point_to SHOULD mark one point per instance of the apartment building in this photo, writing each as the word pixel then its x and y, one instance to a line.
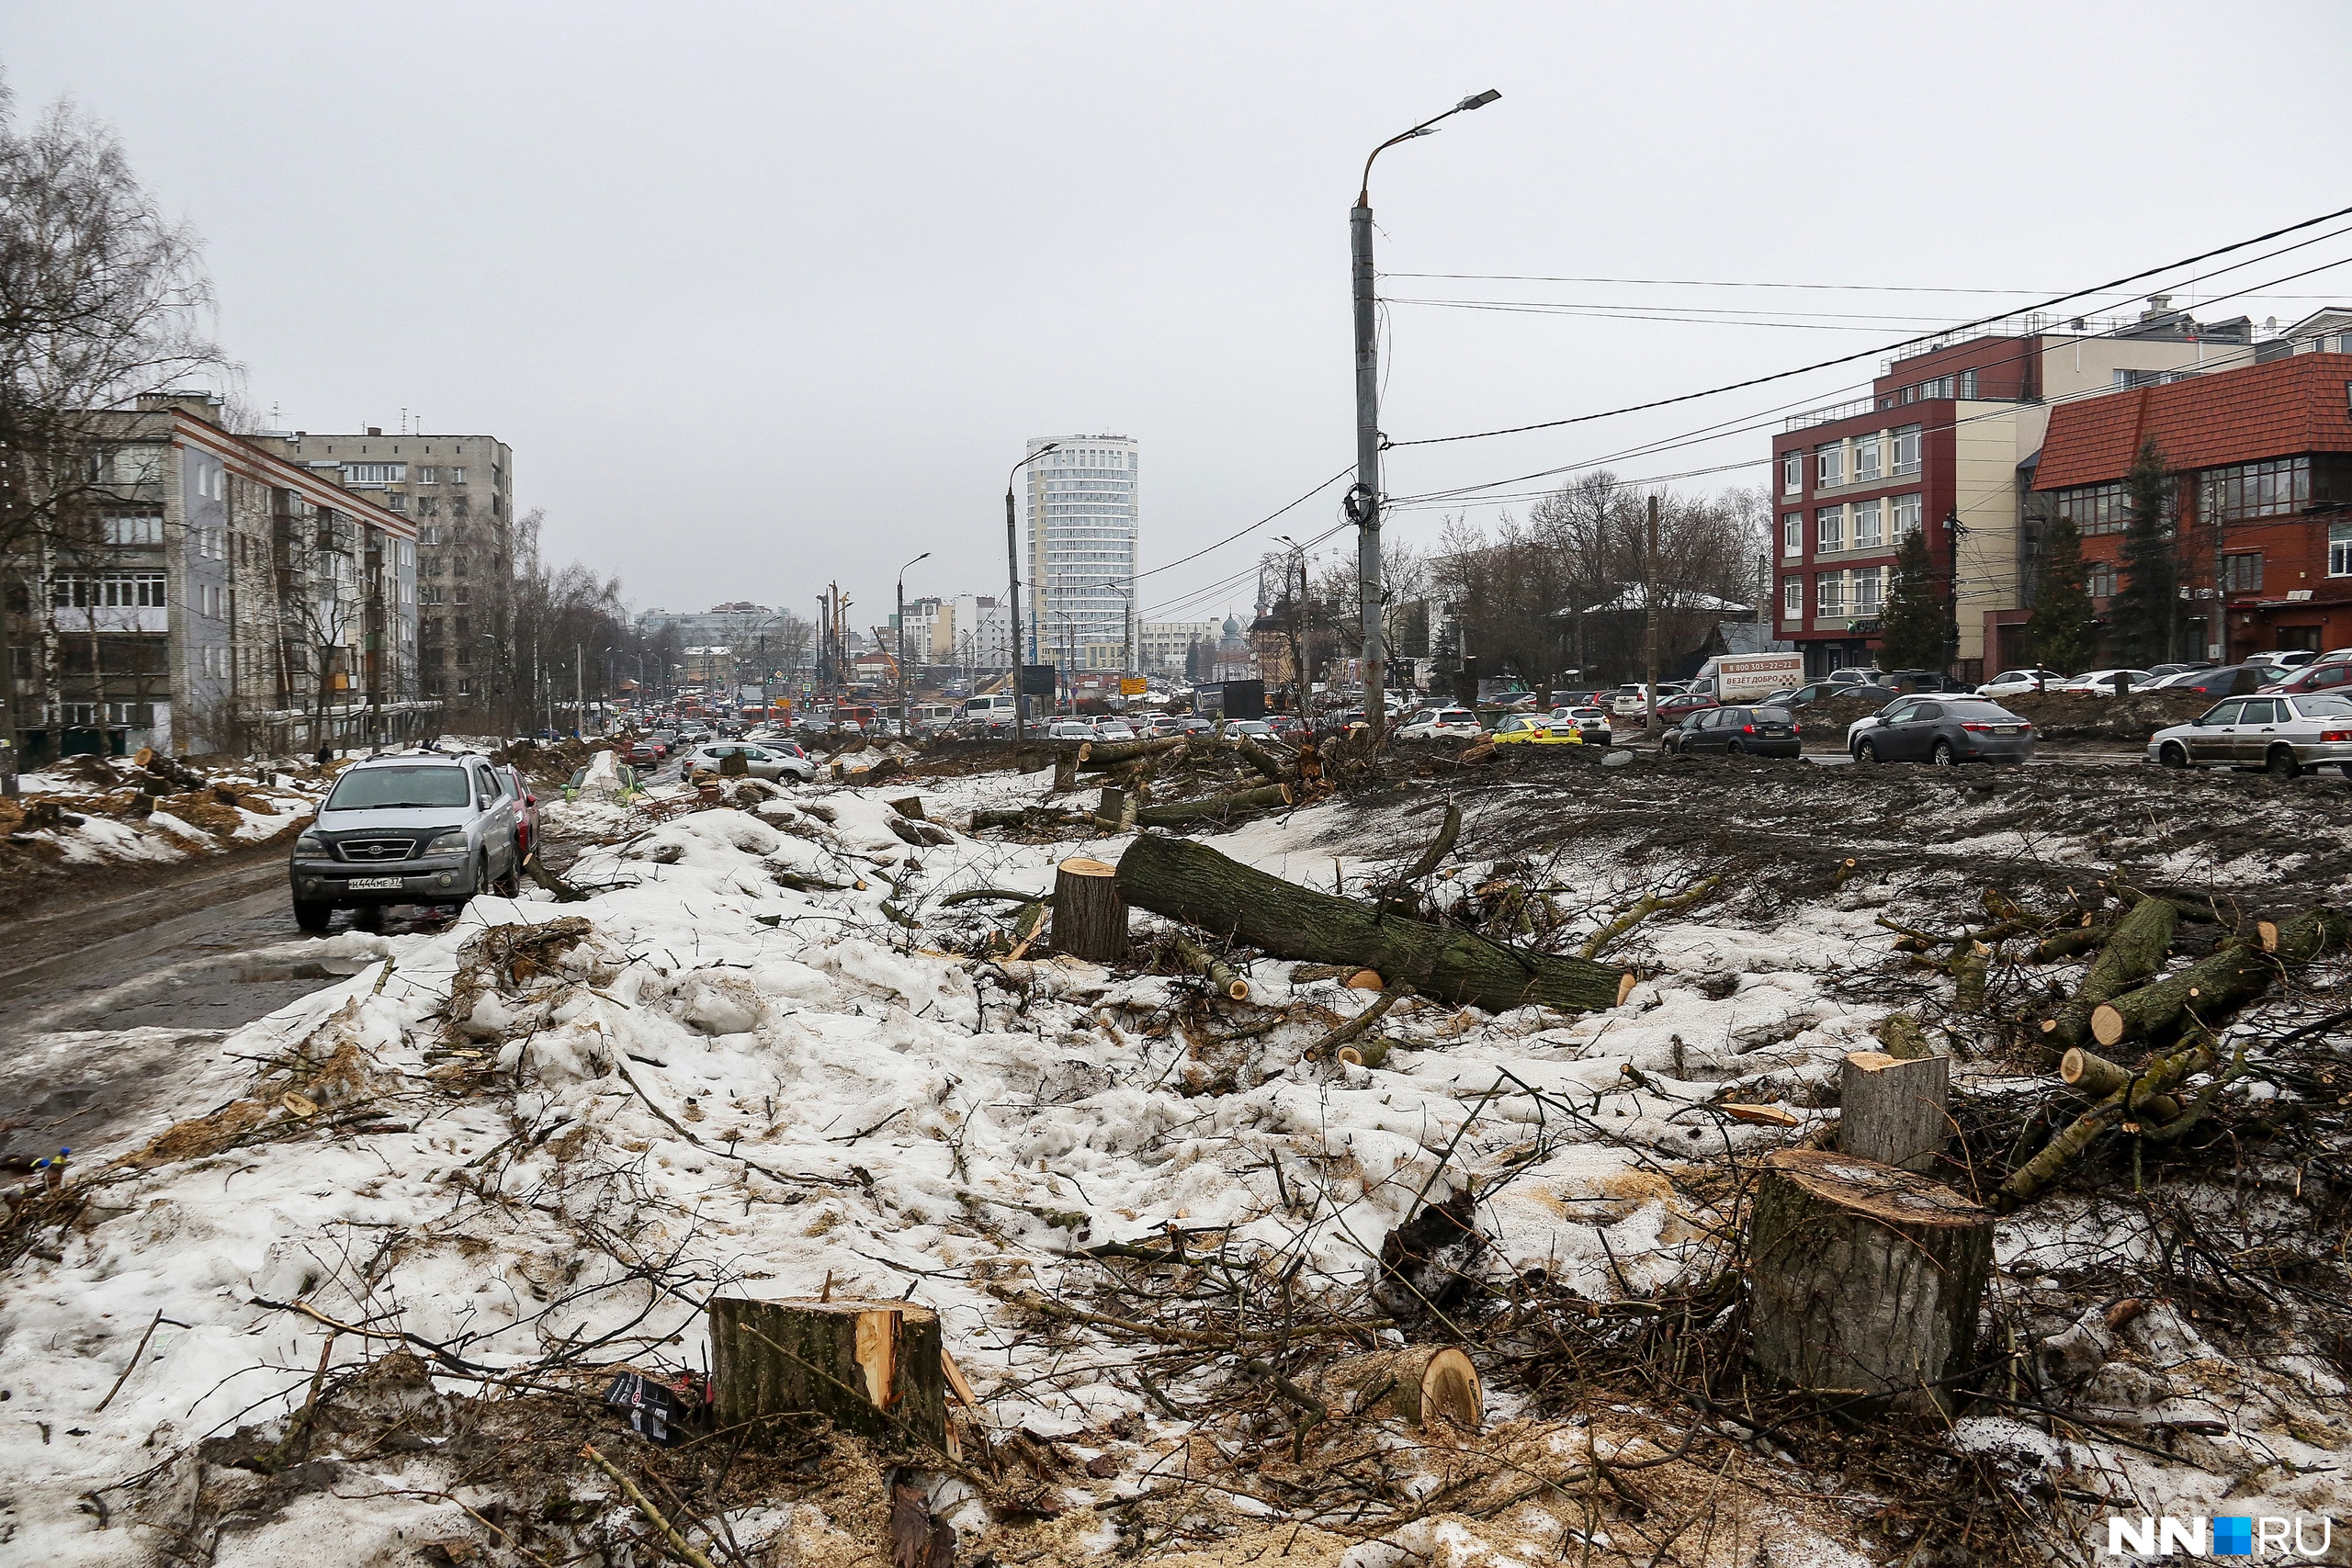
pixel 1945 444
pixel 457 493
pixel 1084 524
pixel 221 598
pixel 1163 645
pixel 981 625
pixel 2260 459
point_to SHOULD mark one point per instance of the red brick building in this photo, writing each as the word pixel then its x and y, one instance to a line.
pixel 2261 463
pixel 1938 445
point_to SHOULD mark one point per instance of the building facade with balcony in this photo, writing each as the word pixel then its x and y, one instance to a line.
pixel 2259 459
pixel 218 598
pixel 457 494
pixel 1936 447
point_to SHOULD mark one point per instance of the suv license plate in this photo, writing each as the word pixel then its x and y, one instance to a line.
pixel 375 885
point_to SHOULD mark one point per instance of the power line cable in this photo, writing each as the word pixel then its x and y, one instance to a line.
pixel 1907 343
pixel 1720 283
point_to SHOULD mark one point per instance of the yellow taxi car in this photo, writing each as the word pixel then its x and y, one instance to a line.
pixel 1521 729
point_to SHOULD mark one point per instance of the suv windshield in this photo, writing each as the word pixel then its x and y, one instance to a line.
pixel 383 789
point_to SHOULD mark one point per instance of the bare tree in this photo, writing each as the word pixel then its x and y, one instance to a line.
pixel 102 301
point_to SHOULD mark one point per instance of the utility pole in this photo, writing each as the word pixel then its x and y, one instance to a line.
pixel 1012 601
pixel 1953 530
pixel 1363 504
pixel 903 716
pixel 1649 624
pixel 1763 601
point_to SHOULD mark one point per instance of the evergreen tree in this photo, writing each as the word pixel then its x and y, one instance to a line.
pixel 1911 628
pixel 2147 604
pixel 2063 634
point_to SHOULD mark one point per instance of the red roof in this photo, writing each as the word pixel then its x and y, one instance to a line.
pixel 2296 404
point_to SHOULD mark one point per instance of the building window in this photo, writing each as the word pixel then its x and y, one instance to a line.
pixel 1792 598
pixel 375 473
pixel 1792 473
pixel 2276 489
pixel 1793 533
pixel 1866 455
pixel 428 533
pixel 112 591
pixel 429 475
pixel 2243 574
pixel 138 465
pixel 2339 549
pixel 2092 509
pixel 1829 529
pixel 1906 515
pixel 1866 531
pixel 2100 579
pixel 457 476
pixel 1829 593
pixel 397 501
pixel 1829 465
pixel 134 530
pixel 1907 450
pixel 1870 589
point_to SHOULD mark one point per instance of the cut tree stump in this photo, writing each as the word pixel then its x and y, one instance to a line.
pixel 1892 1109
pixel 1420 1384
pixel 1193 883
pixel 1117 811
pixel 872 1368
pixel 1867 1280
pixel 1090 915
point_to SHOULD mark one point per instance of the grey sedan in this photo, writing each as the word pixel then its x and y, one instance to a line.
pixel 1945 730
pixel 2281 735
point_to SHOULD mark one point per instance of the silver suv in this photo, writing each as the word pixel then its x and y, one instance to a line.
pixel 424 827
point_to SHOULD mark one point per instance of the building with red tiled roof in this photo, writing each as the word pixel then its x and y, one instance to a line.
pixel 2261 463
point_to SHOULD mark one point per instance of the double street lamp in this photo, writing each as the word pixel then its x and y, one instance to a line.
pixel 1363 500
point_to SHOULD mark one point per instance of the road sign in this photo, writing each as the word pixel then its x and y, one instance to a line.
pixel 1131 686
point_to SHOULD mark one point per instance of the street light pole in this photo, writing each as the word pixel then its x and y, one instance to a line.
pixel 1363 500
pixel 1012 602
pixel 906 728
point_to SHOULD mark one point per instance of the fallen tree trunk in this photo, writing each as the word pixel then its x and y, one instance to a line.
pixel 2240 970
pixel 2135 951
pixel 2095 1077
pixel 1258 757
pixel 1192 883
pixel 1241 803
pixel 1110 753
pixel 2158 1078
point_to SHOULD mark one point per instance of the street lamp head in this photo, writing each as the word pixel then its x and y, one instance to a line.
pixel 1478 101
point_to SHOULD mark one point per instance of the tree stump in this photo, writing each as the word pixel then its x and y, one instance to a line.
pixel 1117 811
pixel 873 1367
pixel 1089 914
pixel 1893 1108
pixel 1867 1280
pixel 1420 1384
pixel 1065 773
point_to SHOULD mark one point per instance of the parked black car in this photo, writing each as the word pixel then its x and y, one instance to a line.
pixel 1946 730
pixel 1844 691
pixel 1763 731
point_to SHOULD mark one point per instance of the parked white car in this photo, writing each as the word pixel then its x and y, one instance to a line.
pixel 2283 735
pixel 1592 722
pixel 1442 723
pixel 1071 730
pixel 2011 682
pixel 1112 729
pixel 773 760
pixel 2101 683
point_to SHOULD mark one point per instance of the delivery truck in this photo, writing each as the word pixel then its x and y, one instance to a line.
pixel 1743 677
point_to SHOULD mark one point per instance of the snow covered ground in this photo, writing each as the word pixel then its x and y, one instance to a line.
pixel 526 1148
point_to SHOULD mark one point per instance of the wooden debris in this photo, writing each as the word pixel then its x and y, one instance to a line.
pixel 874 1368
pixel 1090 915
pixel 1219 973
pixel 1904 1039
pixel 1241 803
pixel 1759 1115
pixel 2205 989
pixel 2134 950
pixel 1420 1385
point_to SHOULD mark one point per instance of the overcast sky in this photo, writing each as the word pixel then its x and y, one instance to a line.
pixel 767 295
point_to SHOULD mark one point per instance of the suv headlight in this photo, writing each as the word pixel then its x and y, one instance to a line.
pixel 310 845
pixel 452 843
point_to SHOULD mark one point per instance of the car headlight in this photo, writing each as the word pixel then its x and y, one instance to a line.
pixel 310 845
pixel 452 843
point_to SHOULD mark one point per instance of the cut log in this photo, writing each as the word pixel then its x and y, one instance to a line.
pixel 2068 943
pixel 1116 813
pixel 2159 1078
pixel 2211 987
pixel 1258 757
pixel 1969 972
pixel 1110 753
pixel 1218 972
pixel 1868 1279
pixel 1420 1384
pixel 2095 1077
pixel 1089 916
pixel 1366 981
pixel 872 1368
pixel 1364 1054
pixel 1894 1109
pixel 1193 883
pixel 907 806
pixel 1241 803
pixel 2134 950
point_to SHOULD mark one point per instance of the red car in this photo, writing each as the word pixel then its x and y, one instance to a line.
pixel 1689 702
pixel 644 754
pixel 2313 678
